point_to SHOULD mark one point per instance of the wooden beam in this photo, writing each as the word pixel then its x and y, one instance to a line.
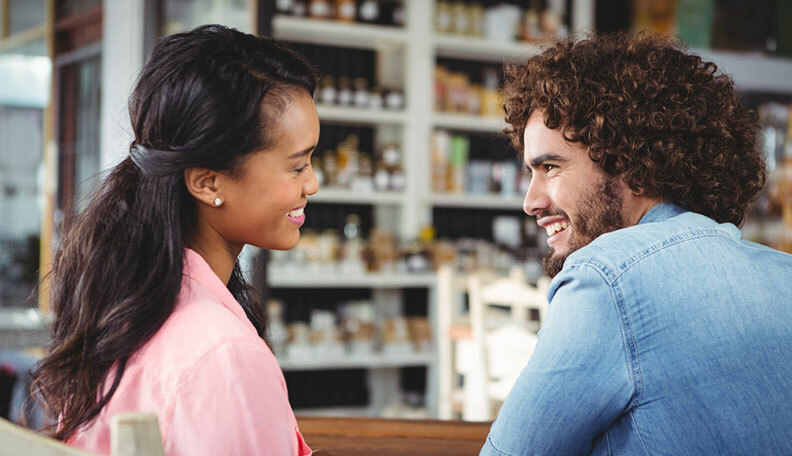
pixel 5 23
pixel 18 39
pixel 50 171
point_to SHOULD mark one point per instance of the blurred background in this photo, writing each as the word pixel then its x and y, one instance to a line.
pixel 414 173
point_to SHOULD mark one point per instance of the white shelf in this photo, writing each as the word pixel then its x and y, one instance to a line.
pixel 753 71
pixel 350 115
pixel 309 279
pixel 469 122
pixel 482 49
pixel 333 33
pixel 372 361
pixel 476 201
pixel 343 196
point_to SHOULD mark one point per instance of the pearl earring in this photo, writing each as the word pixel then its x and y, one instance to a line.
pixel 218 201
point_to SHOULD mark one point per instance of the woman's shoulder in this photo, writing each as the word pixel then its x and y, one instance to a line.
pixel 200 323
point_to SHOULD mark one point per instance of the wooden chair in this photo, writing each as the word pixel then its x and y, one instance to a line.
pixel 490 345
pixel 131 434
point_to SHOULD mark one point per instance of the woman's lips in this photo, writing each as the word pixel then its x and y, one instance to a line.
pixel 297 215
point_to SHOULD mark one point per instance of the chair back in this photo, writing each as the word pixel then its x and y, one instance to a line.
pixel 131 434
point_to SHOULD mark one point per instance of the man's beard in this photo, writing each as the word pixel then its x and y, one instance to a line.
pixel 600 213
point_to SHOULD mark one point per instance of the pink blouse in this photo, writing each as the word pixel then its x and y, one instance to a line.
pixel 214 384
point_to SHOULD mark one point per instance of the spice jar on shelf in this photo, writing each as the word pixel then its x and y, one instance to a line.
pixel 345 95
pixel 369 11
pixel 325 334
pixel 358 327
pixel 396 336
pixel 361 96
pixel 376 101
pixel 327 90
pixel 345 10
pixel 320 9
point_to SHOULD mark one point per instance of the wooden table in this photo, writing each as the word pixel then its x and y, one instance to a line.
pixel 383 437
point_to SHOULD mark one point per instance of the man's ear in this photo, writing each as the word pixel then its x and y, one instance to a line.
pixel 203 185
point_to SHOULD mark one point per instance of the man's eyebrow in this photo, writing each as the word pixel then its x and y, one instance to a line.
pixel 539 160
pixel 302 153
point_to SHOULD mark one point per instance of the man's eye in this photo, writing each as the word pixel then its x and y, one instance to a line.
pixel 549 167
pixel 301 169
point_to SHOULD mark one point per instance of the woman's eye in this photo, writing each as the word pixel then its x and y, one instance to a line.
pixel 302 169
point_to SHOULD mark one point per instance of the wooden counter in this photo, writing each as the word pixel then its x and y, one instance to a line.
pixel 383 437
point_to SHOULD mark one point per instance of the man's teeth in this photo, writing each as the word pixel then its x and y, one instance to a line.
pixel 296 212
pixel 556 227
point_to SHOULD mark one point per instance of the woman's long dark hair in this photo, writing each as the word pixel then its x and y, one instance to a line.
pixel 206 98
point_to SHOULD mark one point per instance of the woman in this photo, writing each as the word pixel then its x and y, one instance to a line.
pixel 151 312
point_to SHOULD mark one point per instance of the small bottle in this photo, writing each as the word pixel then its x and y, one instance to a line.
pixel 327 90
pixel 397 179
pixel 316 165
pixel 361 97
pixel 342 154
pixel 346 10
pixel 394 100
pixel 390 154
pixel 477 19
pixel 381 177
pixel 397 14
pixel 375 99
pixel 330 166
pixel 443 17
pixel 299 8
pixel 344 91
pixel 320 9
pixel 460 19
pixel 278 333
pixel 284 6
pixel 369 11
pixel 531 29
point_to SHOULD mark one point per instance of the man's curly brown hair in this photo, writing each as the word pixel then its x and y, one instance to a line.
pixel 663 120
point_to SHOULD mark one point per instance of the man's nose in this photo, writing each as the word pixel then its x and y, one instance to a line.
pixel 536 200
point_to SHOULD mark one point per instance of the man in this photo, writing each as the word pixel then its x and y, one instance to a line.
pixel 666 333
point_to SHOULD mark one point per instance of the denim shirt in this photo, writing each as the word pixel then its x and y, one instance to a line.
pixel 673 336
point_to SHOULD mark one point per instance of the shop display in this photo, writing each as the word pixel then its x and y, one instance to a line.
pixel 353 330
pixel 455 93
pixel 502 22
pixel 770 218
pixel 345 91
pixel 379 12
pixel 453 172
pixel 347 167
pixel 328 252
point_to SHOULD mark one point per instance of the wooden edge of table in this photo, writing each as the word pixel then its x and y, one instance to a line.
pixel 382 427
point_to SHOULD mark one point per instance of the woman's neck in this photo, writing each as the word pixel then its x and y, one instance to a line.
pixel 217 252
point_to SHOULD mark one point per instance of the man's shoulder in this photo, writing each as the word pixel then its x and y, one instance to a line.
pixel 614 252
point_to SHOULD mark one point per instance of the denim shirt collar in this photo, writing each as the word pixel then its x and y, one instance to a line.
pixel 660 212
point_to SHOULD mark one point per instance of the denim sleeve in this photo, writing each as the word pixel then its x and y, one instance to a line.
pixel 577 383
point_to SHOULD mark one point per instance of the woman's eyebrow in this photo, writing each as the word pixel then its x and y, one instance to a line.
pixel 302 153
